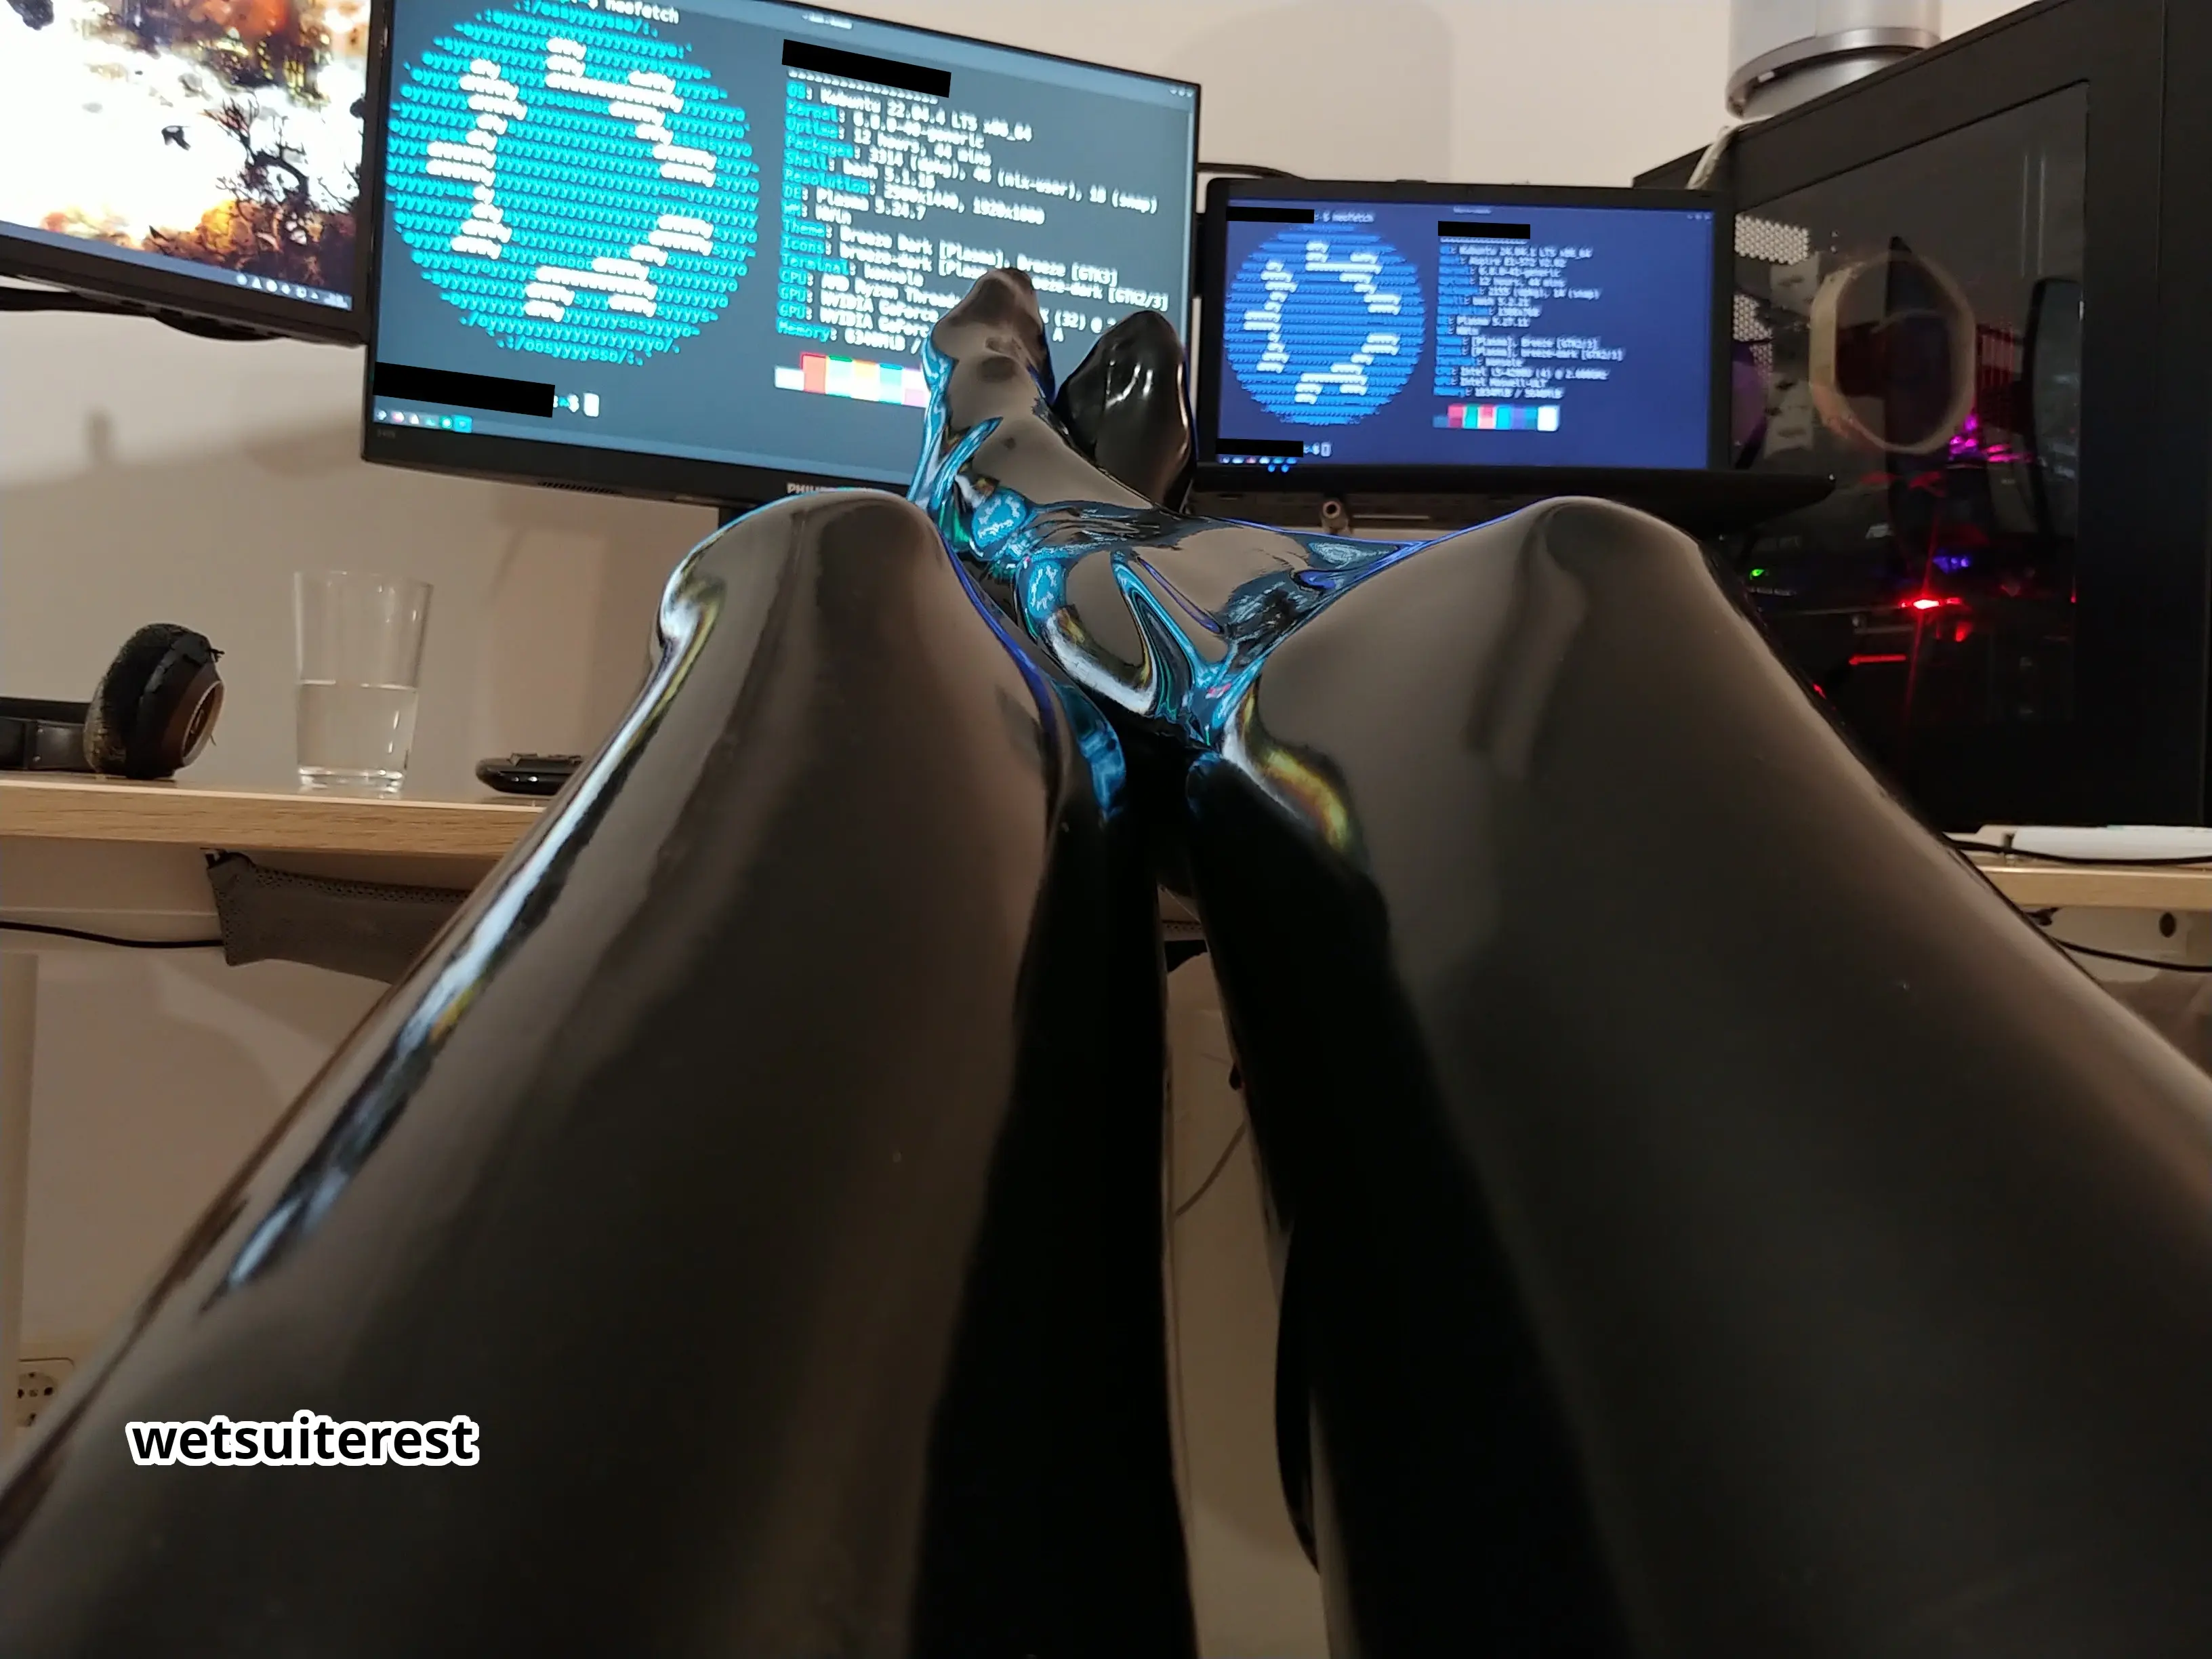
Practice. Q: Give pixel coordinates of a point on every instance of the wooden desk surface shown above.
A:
(2034, 885)
(87, 809)
(82, 808)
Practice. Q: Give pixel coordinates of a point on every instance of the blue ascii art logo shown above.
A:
(1324, 325)
(573, 182)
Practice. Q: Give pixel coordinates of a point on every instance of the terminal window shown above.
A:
(724, 232)
(1462, 334)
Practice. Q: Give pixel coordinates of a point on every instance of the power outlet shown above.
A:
(37, 1381)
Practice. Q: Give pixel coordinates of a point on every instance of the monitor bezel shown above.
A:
(1307, 477)
(589, 468)
(157, 289)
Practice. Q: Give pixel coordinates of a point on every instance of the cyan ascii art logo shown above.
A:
(304, 1440)
(573, 182)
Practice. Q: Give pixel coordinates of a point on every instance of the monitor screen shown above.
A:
(1454, 327)
(694, 250)
(205, 155)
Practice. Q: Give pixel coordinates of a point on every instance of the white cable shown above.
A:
(1701, 176)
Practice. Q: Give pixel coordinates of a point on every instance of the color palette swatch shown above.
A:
(1501, 418)
(860, 377)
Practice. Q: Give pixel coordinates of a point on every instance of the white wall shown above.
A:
(145, 475)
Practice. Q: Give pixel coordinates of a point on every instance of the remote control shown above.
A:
(528, 774)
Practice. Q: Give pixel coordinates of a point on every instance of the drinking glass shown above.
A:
(360, 639)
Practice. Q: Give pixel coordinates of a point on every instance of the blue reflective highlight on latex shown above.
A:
(1199, 655)
(1102, 751)
(1096, 743)
(938, 490)
(1027, 550)
(1003, 513)
(1179, 686)
(1043, 588)
(976, 524)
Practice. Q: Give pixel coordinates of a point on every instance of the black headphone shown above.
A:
(151, 713)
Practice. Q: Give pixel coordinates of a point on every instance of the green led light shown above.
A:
(1757, 573)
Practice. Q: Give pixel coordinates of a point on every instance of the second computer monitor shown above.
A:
(201, 156)
(1423, 330)
(697, 252)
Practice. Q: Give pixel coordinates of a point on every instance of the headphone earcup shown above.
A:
(156, 704)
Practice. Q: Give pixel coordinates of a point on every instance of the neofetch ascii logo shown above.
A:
(572, 181)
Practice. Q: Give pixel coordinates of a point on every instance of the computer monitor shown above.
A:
(1411, 339)
(696, 253)
(202, 158)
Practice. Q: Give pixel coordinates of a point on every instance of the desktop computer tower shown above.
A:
(1975, 288)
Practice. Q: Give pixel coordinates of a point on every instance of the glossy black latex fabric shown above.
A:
(766, 1159)
(1122, 407)
(1718, 1224)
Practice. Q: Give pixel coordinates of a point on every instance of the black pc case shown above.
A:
(1977, 288)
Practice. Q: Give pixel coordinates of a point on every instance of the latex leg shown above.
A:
(1719, 1225)
(766, 1160)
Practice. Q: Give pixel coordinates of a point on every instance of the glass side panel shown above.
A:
(1913, 326)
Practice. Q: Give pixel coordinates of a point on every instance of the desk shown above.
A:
(257, 820)
(125, 858)
(2034, 885)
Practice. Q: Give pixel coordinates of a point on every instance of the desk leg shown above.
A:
(19, 1018)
